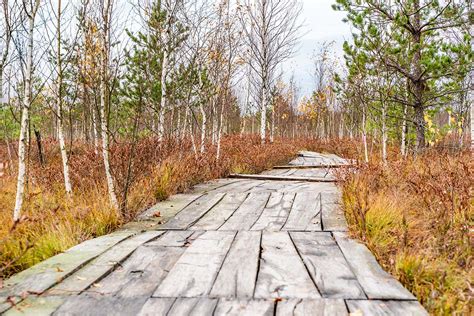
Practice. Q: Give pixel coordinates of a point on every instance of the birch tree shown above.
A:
(271, 31)
(106, 13)
(59, 100)
(31, 9)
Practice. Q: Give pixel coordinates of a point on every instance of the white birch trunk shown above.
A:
(164, 75)
(25, 113)
(263, 118)
(384, 133)
(272, 130)
(203, 128)
(161, 114)
(364, 136)
(94, 131)
(103, 105)
(62, 144)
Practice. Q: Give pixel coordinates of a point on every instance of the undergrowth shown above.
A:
(52, 223)
(416, 216)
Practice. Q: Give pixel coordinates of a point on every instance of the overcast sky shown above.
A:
(321, 23)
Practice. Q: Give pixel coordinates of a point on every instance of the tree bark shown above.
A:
(25, 114)
(59, 85)
(104, 101)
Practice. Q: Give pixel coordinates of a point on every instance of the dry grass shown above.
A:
(416, 215)
(52, 223)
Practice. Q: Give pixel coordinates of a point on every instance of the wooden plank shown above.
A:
(275, 213)
(241, 186)
(277, 186)
(282, 273)
(125, 290)
(313, 166)
(192, 306)
(239, 271)
(217, 216)
(331, 213)
(53, 270)
(280, 178)
(244, 308)
(156, 306)
(308, 307)
(33, 305)
(212, 185)
(193, 212)
(169, 207)
(377, 283)
(386, 308)
(312, 172)
(102, 265)
(305, 213)
(327, 265)
(196, 270)
(247, 214)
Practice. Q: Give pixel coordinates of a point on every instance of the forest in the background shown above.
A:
(108, 106)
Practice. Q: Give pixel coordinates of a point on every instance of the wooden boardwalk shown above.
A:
(268, 245)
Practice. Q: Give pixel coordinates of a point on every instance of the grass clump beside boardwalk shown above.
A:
(416, 216)
(52, 222)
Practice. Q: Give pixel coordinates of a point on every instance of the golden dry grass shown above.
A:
(416, 216)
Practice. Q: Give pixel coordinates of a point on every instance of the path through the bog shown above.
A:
(267, 244)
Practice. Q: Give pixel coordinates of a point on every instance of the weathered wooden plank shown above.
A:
(281, 178)
(305, 213)
(217, 216)
(248, 212)
(313, 173)
(313, 166)
(169, 207)
(282, 273)
(244, 308)
(102, 265)
(156, 306)
(327, 265)
(377, 283)
(240, 186)
(175, 238)
(275, 213)
(237, 276)
(192, 306)
(33, 305)
(331, 213)
(310, 307)
(125, 290)
(277, 172)
(386, 308)
(193, 212)
(212, 185)
(53, 270)
(196, 270)
(278, 186)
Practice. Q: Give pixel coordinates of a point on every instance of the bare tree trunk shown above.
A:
(164, 74)
(263, 118)
(219, 133)
(272, 130)
(203, 128)
(403, 149)
(25, 114)
(384, 133)
(59, 85)
(94, 130)
(104, 100)
(364, 135)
